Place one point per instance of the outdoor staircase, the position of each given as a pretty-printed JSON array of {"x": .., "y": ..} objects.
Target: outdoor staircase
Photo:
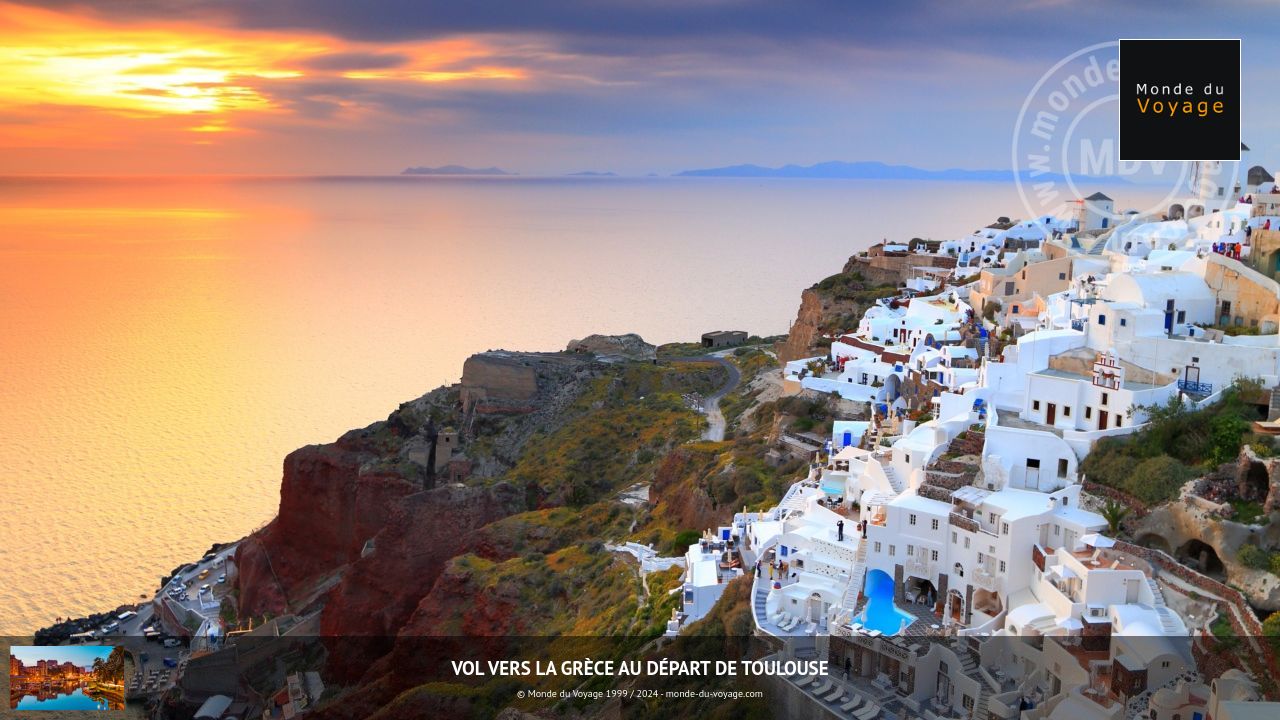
[
  {"x": 1099, "y": 244},
  {"x": 851, "y": 591},
  {"x": 761, "y": 614},
  {"x": 1167, "y": 621},
  {"x": 894, "y": 481},
  {"x": 980, "y": 703},
  {"x": 1156, "y": 592}
]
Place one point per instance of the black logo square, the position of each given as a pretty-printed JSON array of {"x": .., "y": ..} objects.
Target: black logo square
[{"x": 1180, "y": 99}]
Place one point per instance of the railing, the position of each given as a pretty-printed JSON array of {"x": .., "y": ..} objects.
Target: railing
[
  {"x": 964, "y": 523},
  {"x": 986, "y": 580},
  {"x": 1196, "y": 388}
]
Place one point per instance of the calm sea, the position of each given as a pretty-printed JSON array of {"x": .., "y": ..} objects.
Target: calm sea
[{"x": 165, "y": 342}]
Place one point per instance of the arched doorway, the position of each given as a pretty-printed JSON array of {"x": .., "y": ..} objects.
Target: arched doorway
[
  {"x": 955, "y": 603},
  {"x": 815, "y": 609},
  {"x": 1155, "y": 541},
  {"x": 921, "y": 591},
  {"x": 1201, "y": 556},
  {"x": 1176, "y": 211}
]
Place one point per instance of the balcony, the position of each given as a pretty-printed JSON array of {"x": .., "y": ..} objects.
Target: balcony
[
  {"x": 964, "y": 523},
  {"x": 986, "y": 580},
  {"x": 1195, "y": 388}
]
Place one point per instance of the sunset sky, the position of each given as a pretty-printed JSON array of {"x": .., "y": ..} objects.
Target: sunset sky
[{"x": 337, "y": 86}]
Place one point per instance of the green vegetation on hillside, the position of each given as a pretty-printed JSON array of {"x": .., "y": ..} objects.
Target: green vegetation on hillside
[
  {"x": 1177, "y": 443},
  {"x": 619, "y": 430}
]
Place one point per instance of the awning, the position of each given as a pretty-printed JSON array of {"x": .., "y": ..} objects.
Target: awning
[{"x": 1097, "y": 540}]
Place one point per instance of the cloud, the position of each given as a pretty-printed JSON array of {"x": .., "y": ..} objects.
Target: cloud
[{"x": 344, "y": 61}]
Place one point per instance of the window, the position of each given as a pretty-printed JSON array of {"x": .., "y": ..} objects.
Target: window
[
  {"x": 966, "y": 543},
  {"x": 1057, "y": 530},
  {"x": 1105, "y": 397},
  {"x": 1035, "y": 405},
  {"x": 1062, "y": 276},
  {"x": 1008, "y": 288},
  {"x": 1118, "y": 419},
  {"x": 934, "y": 524},
  {"x": 1066, "y": 411},
  {"x": 1088, "y": 412},
  {"x": 912, "y": 519},
  {"x": 1062, "y": 467},
  {"x": 893, "y": 550},
  {"x": 1124, "y": 321},
  {"x": 877, "y": 546},
  {"x": 1182, "y": 317},
  {"x": 1102, "y": 319},
  {"x": 1002, "y": 566},
  {"x": 1015, "y": 310},
  {"x": 1033, "y": 463},
  {"x": 1004, "y": 528},
  {"x": 953, "y": 537},
  {"x": 933, "y": 555},
  {"x": 911, "y": 551}
]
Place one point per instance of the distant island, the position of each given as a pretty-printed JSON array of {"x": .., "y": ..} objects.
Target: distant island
[
  {"x": 591, "y": 173},
  {"x": 454, "y": 170},
  {"x": 870, "y": 170}
]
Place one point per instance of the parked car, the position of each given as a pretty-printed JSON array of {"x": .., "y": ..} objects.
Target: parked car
[
  {"x": 222, "y": 578},
  {"x": 170, "y": 663},
  {"x": 171, "y": 642}
]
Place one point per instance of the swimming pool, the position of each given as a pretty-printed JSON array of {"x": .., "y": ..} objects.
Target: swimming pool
[
  {"x": 880, "y": 613},
  {"x": 833, "y": 487}
]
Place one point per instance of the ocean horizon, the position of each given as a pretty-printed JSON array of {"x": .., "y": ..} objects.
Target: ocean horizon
[{"x": 170, "y": 341}]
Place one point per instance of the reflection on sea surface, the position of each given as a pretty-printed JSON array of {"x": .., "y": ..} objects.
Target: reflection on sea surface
[{"x": 61, "y": 695}]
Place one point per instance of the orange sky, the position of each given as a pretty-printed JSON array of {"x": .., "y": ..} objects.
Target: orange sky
[
  {"x": 72, "y": 83},
  {"x": 552, "y": 86}
]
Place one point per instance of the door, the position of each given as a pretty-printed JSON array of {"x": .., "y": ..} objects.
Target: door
[
  {"x": 1050, "y": 414},
  {"x": 1102, "y": 419}
]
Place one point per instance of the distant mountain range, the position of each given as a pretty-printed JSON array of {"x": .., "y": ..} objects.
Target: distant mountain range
[
  {"x": 867, "y": 170},
  {"x": 454, "y": 170},
  {"x": 592, "y": 173}
]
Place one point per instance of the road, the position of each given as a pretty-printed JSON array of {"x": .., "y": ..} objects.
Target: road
[{"x": 711, "y": 403}]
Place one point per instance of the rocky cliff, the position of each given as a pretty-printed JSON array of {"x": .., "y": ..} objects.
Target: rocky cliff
[{"x": 835, "y": 305}]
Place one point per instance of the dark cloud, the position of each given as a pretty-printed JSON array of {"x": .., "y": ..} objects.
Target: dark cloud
[
  {"x": 340, "y": 62},
  {"x": 627, "y": 27}
]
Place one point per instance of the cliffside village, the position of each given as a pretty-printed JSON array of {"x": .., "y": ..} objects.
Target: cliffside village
[{"x": 941, "y": 553}]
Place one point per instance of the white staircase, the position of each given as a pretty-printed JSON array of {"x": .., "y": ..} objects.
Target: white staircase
[
  {"x": 1156, "y": 593},
  {"x": 849, "y": 603},
  {"x": 1170, "y": 623},
  {"x": 894, "y": 481}
]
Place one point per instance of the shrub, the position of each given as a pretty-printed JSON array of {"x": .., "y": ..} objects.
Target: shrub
[
  {"x": 683, "y": 540},
  {"x": 1157, "y": 479},
  {"x": 1225, "y": 433},
  {"x": 1254, "y": 557}
]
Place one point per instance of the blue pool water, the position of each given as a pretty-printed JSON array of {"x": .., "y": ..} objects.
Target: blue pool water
[
  {"x": 880, "y": 613},
  {"x": 833, "y": 487}
]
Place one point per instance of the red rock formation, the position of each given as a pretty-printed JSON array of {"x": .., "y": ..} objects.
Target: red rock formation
[
  {"x": 330, "y": 505},
  {"x": 379, "y": 592}
]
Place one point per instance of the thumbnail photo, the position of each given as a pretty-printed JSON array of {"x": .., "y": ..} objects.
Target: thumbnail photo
[{"x": 84, "y": 677}]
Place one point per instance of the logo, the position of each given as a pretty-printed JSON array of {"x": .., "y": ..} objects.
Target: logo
[
  {"x": 1180, "y": 100},
  {"x": 1066, "y": 148}
]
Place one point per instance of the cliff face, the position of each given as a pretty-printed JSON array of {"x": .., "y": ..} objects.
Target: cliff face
[
  {"x": 333, "y": 498},
  {"x": 835, "y": 305},
  {"x": 378, "y": 592}
]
